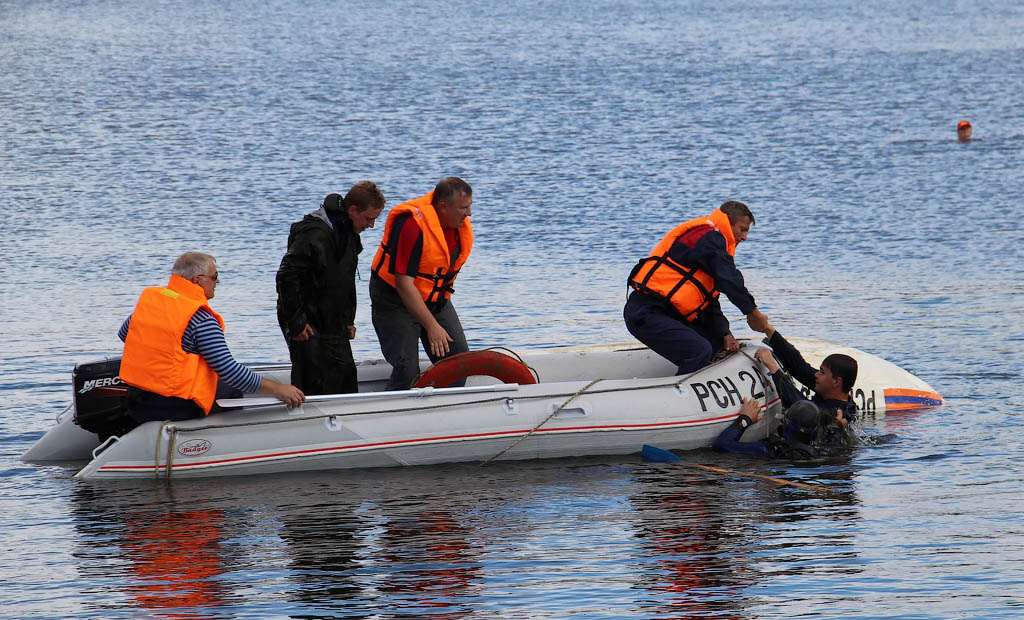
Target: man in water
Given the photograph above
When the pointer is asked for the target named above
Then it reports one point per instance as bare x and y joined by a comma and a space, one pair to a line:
806, 433
831, 383
674, 307
426, 242
316, 289
964, 131
175, 353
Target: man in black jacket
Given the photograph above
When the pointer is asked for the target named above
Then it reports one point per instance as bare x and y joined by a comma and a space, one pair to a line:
831, 383
316, 289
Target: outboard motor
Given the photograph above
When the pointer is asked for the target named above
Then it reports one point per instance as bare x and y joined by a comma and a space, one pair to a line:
101, 398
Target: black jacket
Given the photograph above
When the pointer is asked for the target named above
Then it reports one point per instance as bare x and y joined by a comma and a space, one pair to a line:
316, 282
829, 442
795, 364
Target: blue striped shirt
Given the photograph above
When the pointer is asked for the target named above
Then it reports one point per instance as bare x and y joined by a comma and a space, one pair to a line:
204, 337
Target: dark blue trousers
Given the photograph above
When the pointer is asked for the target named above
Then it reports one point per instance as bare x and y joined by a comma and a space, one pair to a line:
687, 345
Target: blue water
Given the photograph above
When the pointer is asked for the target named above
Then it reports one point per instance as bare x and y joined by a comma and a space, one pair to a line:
130, 132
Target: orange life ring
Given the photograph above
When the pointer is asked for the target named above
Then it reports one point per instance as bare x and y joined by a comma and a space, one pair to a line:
505, 368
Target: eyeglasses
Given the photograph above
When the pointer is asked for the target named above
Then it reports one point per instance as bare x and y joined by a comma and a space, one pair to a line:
215, 277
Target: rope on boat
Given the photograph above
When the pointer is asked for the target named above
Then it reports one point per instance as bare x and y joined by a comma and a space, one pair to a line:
518, 357
156, 449
170, 450
170, 453
66, 409
553, 414
505, 350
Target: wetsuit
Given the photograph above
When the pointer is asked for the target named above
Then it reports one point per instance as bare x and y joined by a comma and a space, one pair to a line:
792, 362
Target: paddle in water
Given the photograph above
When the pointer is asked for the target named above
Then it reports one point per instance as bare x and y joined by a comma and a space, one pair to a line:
652, 454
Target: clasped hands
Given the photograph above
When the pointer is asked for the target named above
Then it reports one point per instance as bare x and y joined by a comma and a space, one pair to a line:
757, 321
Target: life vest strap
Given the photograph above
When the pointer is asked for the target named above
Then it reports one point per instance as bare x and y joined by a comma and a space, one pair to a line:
443, 283
687, 274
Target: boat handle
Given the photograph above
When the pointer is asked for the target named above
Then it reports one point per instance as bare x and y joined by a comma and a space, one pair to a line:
109, 441
60, 416
579, 411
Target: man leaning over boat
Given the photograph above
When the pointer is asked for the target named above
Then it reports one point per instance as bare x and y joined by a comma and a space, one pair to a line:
426, 242
674, 307
175, 354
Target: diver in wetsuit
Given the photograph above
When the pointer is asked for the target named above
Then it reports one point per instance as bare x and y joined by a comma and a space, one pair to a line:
831, 383
807, 433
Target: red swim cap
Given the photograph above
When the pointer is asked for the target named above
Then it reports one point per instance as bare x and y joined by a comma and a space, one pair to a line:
962, 124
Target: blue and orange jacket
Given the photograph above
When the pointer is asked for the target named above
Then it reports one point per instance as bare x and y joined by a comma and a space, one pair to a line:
153, 358
677, 273
437, 270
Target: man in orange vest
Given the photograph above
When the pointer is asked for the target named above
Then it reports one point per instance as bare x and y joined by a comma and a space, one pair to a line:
175, 352
674, 307
426, 242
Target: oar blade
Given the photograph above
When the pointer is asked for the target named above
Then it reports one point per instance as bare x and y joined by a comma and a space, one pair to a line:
657, 455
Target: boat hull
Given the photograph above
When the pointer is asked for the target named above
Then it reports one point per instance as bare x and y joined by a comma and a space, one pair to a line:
607, 400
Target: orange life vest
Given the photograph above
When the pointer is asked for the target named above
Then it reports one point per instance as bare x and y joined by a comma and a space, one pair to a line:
689, 289
437, 272
153, 358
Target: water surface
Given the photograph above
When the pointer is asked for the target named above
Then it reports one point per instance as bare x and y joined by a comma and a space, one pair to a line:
132, 132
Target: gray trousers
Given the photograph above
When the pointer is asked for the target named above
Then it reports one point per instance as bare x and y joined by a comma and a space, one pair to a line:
400, 334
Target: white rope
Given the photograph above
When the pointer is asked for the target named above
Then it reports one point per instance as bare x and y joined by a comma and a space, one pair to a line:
553, 414
156, 449
170, 450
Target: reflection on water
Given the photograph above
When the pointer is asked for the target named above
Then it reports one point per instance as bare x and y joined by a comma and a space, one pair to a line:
429, 562
689, 541
175, 561
323, 546
170, 559
327, 545
714, 538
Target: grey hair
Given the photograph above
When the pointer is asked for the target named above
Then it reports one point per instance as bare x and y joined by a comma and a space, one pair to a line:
192, 264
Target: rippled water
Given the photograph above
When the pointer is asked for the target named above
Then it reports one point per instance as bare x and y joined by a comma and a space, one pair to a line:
131, 132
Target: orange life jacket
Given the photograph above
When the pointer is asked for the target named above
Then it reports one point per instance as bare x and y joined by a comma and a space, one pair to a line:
689, 289
437, 272
153, 358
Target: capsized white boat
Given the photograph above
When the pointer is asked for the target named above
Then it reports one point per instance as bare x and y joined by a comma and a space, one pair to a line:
601, 400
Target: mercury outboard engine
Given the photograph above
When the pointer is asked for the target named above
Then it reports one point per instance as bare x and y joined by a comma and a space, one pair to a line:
101, 398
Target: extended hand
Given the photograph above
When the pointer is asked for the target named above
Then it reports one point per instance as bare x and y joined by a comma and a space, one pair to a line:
751, 408
351, 332
730, 344
439, 340
840, 420
765, 357
757, 321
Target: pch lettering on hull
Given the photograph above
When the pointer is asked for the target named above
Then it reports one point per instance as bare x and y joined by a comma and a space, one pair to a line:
724, 391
